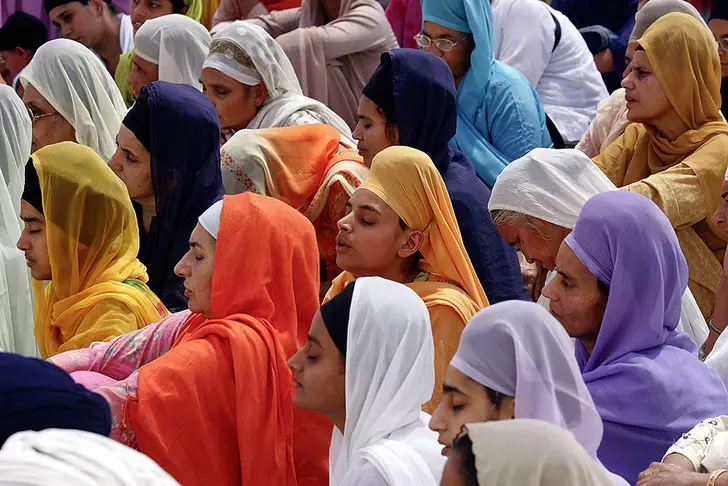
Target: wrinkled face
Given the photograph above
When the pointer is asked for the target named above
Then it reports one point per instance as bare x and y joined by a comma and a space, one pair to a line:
33, 243
719, 27
236, 103
459, 57
79, 22
197, 267
371, 241
132, 164
49, 126
319, 373
576, 300
538, 240
464, 401
371, 131
720, 217
142, 73
646, 101
142, 10
16, 59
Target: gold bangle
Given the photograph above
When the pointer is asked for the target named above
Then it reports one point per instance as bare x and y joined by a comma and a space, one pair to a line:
714, 477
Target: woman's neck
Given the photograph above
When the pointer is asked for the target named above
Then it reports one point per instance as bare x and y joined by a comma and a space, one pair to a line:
149, 211
109, 48
670, 126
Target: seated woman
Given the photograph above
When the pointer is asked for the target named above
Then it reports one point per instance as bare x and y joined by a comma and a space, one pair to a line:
252, 84
229, 350
516, 362
81, 243
620, 299
16, 297
140, 12
674, 153
72, 98
611, 119
401, 226
37, 395
367, 366
500, 116
523, 452
168, 157
535, 205
411, 100
334, 46
75, 457
307, 167
171, 48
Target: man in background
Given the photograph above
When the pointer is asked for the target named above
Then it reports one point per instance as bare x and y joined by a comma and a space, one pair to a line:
20, 36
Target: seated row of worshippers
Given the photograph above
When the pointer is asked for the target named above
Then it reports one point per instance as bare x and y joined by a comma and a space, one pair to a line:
310, 305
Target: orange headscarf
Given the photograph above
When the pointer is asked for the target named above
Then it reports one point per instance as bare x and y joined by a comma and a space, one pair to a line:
218, 407
297, 165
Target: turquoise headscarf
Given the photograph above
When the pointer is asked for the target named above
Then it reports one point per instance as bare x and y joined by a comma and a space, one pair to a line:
500, 116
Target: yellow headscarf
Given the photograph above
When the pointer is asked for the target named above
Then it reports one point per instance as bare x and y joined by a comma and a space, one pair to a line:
93, 241
685, 61
194, 11
408, 182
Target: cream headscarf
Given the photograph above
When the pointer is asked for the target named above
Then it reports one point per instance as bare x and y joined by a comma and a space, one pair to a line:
527, 452
177, 44
76, 83
16, 301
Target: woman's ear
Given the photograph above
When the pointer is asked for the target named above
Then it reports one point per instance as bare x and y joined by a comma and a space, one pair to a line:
412, 243
261, 93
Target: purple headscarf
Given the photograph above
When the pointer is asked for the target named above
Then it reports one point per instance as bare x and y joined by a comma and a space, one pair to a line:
644, 376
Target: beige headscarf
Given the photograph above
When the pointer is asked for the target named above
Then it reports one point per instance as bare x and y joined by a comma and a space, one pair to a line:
532, 453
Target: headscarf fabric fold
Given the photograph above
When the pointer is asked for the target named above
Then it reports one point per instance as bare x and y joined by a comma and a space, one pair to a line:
235, 362
93, 241
37, 395
76, 83
16, 301
179, 127
656, 9
75, 458
177, 44
626, 242
243, 51
531, 453
389, 376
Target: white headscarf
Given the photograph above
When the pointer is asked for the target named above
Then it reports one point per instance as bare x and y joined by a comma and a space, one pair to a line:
553, 185
75, 458
76, 83
531, 453
390, 373
16, 301
177, 44
245, 52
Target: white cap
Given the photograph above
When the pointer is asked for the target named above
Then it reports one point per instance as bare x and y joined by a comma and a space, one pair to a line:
210, 219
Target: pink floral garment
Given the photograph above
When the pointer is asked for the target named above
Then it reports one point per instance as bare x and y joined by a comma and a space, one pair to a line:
111, 369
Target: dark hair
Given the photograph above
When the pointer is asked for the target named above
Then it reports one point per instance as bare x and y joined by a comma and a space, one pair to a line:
178, 5
495, 397
51, 5
603, 288
389, 124
463, 447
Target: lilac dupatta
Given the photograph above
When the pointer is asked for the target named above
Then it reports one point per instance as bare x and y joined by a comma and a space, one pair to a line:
644, 376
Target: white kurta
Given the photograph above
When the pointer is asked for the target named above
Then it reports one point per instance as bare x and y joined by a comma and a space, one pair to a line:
567, 80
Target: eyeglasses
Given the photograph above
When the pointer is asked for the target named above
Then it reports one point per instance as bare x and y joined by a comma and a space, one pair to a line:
424, 41
34, 117
723, 44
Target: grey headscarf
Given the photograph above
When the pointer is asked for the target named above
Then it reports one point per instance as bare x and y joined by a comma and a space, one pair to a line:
654, 9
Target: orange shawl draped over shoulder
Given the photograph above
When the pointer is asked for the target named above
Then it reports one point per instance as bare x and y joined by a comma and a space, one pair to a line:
218, 407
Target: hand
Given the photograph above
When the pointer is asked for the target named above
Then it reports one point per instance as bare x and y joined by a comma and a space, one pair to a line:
659, 474
534, 277
604, 61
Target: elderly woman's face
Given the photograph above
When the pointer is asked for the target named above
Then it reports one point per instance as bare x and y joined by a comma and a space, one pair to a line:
646, 100
576, 300
459, 57
197, 267
142, 73
538, 240
49, 126
719, 27
236, 103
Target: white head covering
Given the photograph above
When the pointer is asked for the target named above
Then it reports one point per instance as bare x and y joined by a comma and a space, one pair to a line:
76, 83
210, 219
519, 349
390, 373
553, 185
655, 9
246, 53
75, 458
531, 453
16, 303
177, 44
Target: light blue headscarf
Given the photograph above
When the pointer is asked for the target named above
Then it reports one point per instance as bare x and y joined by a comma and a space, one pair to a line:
500, 116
